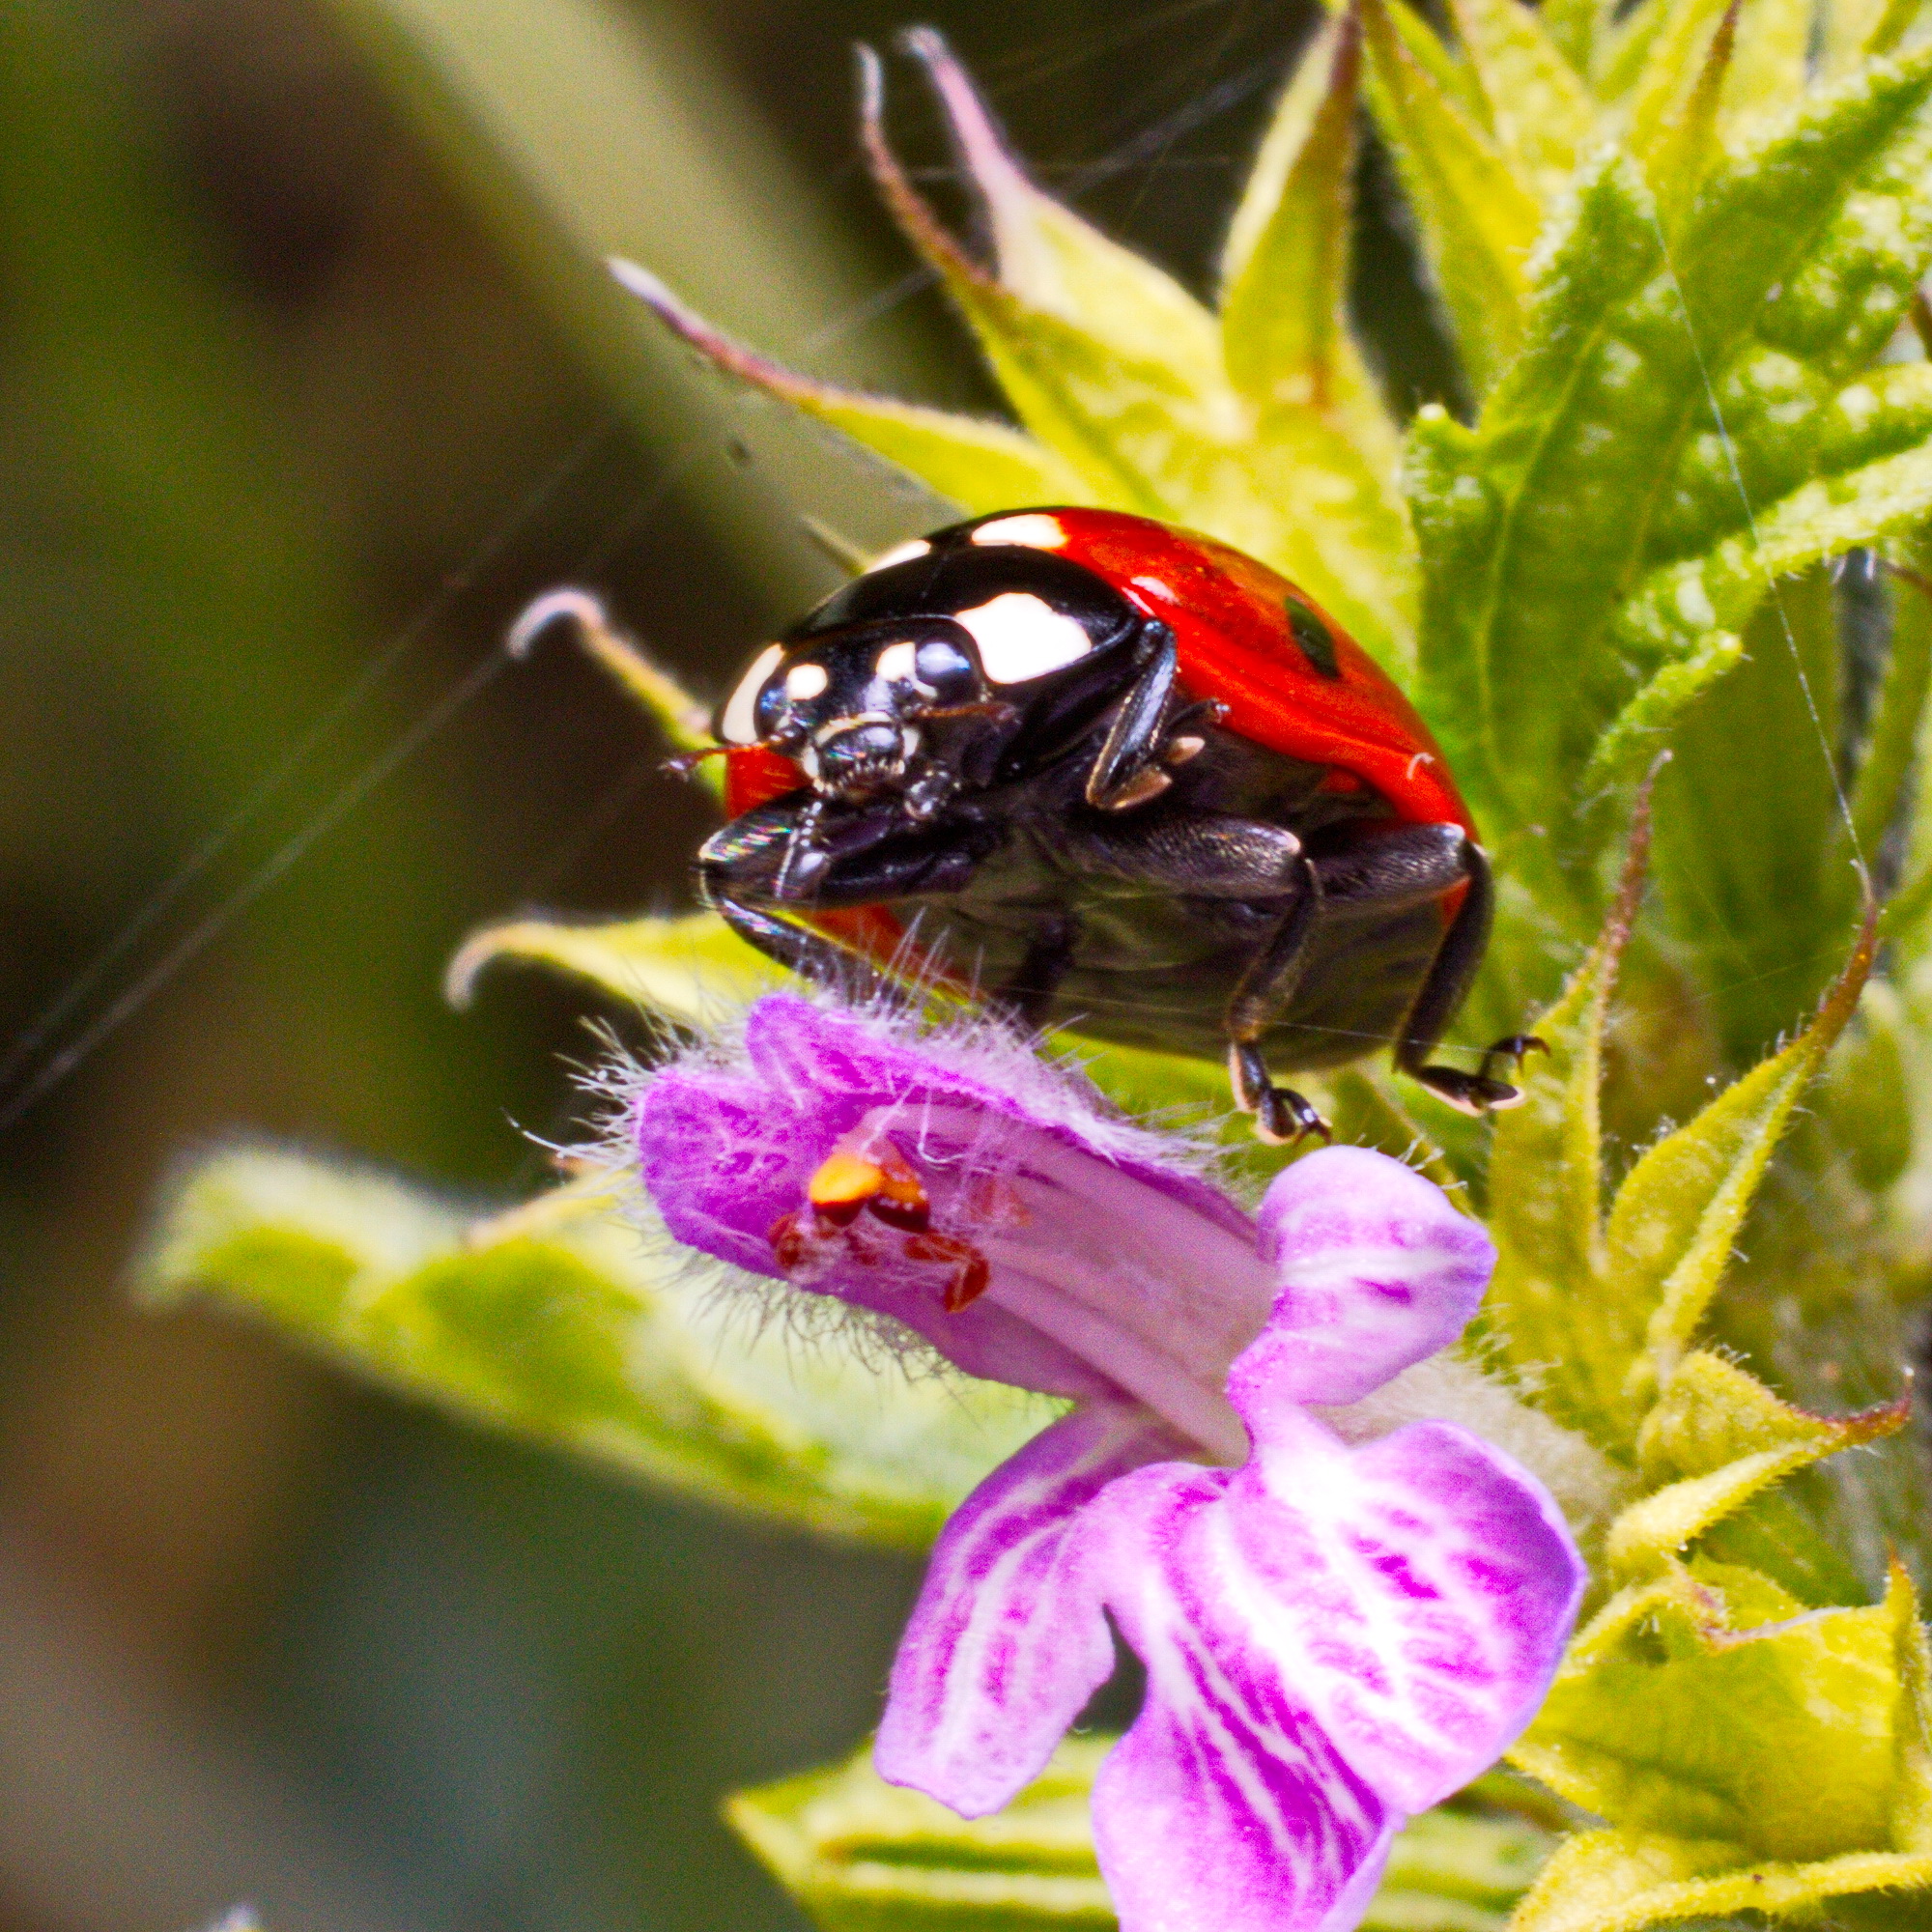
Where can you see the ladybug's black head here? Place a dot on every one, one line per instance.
(859, 709)
(923, 674)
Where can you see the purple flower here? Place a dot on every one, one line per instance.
(1335, 1634)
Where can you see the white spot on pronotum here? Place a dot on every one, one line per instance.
(1021, 637)
(898, 664)
(804, 682)
(1036, 531)
(899, 553)
(736, 723)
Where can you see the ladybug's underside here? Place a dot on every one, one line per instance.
(1056, 913)
(1116, 777)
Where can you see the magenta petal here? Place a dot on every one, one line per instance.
(1008, 1642)
(1415, 1593)
(1377, 1271)
(1224, 1805)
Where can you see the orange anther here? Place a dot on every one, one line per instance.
(902, 1201)
(843, 1186)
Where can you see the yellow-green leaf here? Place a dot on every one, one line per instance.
(980, 465)
(1672, 65)
(1539, 108)
(1768, 75)
(1635, 733)
(1059, 262)
(1624, 1882)
(691, 968)
(1710, 1707)
(1549, 1302)
(1284, 332)
(1725, 1438)
(567, 1323)
(863, 1856)
(1681, 147)
(1887, 762)
(1678, 1213)
(1478, 221)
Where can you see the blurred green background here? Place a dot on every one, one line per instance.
(308, 380)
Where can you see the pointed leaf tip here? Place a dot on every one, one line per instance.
(1282, 320)
(980, 465)
(1479, 222)
(1554, 1313)
(1678, 1214)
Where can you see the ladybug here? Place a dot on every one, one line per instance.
(1119, 776)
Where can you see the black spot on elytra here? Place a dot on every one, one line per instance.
(1313, 636)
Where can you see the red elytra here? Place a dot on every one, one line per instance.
(1230, 621)
(1229, 615)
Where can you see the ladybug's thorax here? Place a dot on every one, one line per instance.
(931, 674)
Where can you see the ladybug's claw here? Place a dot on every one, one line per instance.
(1473, 1093)
(1515, 1048)
(1282, 1116)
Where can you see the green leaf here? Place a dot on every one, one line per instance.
(691, 968)
(1519, 521)
(565, 1323)
(1284, 331)
(1677, 1215)
(1576, 27)
(1760, 919)
(1864, 30)
(1767, 77)
(1750, 1758)
(1150, 426)
(1539, 108)
(1534, 528)
(1886, 769)
(1635, 733)
(1478, 221)
(1302, 140)
(1055, 261)
(1547, 1302)
(1674, 65)
(1786, 421)
(977, 464)
(1709, 1707)
(863, 1856)
(1814, 238)
(1683, 146)
(1616, 1882)
(1724, 1437)
(1675, 609)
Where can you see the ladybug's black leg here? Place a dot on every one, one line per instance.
(1281, 1115)
(807, 954)
(1127, 770)
(1442, 991)
(1028, 996)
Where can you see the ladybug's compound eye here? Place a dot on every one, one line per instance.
(945, 670)
(737, 717)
